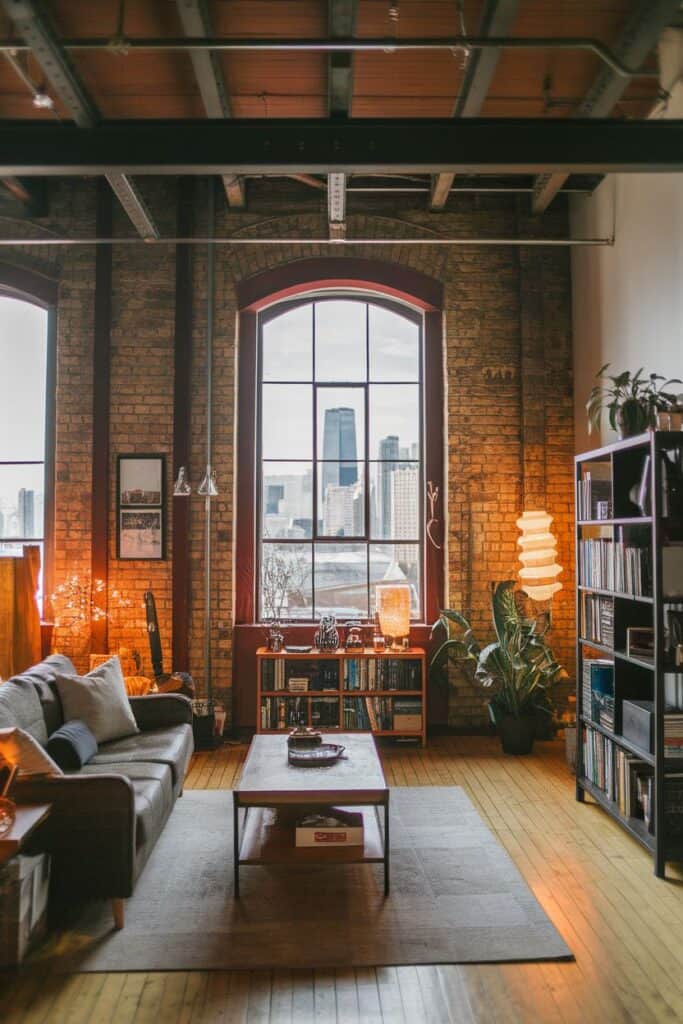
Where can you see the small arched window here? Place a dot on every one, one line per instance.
(340, 456)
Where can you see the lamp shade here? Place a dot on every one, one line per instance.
(393, 608)
(539, 572)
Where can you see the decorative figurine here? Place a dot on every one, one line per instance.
(327, 636)
(275, 640)
(354, 636)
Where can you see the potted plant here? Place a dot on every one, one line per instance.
(633, 400)
(518, 665)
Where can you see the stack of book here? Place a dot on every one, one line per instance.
(283, 713)
(407, 715)
(673, 736)
(622, 777)
(597, 619)
(598, 761)
(325, 712)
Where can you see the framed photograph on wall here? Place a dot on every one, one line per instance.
(140, 489)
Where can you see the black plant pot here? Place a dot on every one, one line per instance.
(632, 418)
(516, 734)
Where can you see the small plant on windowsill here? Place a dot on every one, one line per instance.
(632, 400)
(518, 666)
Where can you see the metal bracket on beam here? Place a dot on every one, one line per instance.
(134, 205)
(336, 205)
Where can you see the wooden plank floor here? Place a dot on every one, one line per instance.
(624, 926)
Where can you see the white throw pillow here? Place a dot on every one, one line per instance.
(100, 700)
(20, 748)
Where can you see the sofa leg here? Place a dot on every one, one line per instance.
(118, 909)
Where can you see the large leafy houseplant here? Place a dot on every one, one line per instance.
(518, 665)
(632, 400)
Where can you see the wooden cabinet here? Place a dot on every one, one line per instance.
(347, 691)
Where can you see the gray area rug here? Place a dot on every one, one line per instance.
(456, 897)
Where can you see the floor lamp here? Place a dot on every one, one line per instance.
(207, 488)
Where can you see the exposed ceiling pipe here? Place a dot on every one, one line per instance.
(121, 47)
(223, 240)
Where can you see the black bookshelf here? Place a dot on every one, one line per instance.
(620, 560)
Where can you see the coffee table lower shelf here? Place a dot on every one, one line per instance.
(259, 841)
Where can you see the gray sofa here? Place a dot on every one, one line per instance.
(105, 818)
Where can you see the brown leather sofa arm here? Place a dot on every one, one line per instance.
(157, 710)
(90, 830)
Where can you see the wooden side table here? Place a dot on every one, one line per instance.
(23, 886)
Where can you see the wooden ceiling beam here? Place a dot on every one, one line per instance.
(363, 146)
(196, 22)
(31, 23)
(638, 37)
(496, 20)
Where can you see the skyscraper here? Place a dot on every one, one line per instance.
(339, 444)
(388, 453)
(25, 513)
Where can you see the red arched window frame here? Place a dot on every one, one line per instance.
(255, 294)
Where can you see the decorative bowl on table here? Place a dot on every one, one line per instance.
(321, 756)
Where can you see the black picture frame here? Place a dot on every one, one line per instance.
(141, 507)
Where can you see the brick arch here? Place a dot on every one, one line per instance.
(296, 277)
(21, 283)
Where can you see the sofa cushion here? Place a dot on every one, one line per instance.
(20, 748)
(153, 794)
(99, 699)
(20, 708)
(72, 745)
(42, 676)
(171, 746)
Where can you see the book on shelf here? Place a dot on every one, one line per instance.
(382, 674)
(594, 493)
(597, 618)
(325, 712)
(673, 735)
(283, 712)
(597, 691)
(640, 641)
(612, 564)
(623, 777)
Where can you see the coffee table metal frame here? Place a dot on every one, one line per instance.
(311, 789)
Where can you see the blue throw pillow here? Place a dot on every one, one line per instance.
(72, 745)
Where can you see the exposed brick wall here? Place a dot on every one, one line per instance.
(508, 403)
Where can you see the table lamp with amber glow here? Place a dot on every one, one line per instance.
(393, 610)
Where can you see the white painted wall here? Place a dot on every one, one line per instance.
(628, 299)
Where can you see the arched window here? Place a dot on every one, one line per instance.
(26, 418)
(340, 456)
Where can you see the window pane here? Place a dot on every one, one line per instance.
(341, 580)
(395, 500)
(341, 424)
(287, 499)
(287, 345)
(396, 563)
(341, 499)
(340, 331)
(286, 585)
(287, 421)
(21, 501)
(23, 354)
(394, 421)
(394, 346)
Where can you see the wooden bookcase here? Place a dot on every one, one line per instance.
(348, 691)
(612, 768)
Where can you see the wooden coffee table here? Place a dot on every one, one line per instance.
(271, 795)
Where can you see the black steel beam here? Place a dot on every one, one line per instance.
(468, 146)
